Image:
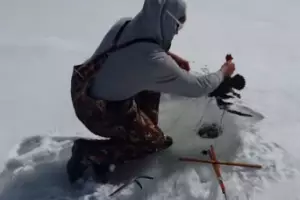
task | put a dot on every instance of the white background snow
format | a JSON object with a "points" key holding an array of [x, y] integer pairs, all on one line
{"points": [[40, 41]]}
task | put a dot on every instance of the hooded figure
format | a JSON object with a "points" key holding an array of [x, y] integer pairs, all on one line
{"points": [[116, 92]]}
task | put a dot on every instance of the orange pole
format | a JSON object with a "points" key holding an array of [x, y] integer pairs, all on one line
{"points": [[221, 163], [217, 170]]}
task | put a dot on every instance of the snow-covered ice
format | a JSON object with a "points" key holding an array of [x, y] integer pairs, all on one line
{"points": [[41, 41]]}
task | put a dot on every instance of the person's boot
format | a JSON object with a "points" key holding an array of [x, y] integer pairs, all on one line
{"points": [[101, 168], [90, 153], [168, 141], [77, 164]]}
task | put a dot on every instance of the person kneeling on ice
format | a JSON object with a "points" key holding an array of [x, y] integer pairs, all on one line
{"points": [[116, 92]]}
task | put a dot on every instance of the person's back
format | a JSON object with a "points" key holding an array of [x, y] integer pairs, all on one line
{"points": [[147, 66]]}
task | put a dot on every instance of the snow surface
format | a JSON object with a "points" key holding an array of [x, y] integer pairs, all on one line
{"points": [[40, 41]]}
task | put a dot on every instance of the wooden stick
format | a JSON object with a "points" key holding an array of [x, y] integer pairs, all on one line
{"points": [[221, 163]]}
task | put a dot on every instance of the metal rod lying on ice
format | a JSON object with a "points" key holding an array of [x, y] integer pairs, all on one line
{"points": [[134, 180]]}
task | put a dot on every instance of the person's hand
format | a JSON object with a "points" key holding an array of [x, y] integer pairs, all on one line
{"points": [[237, 95], [228, 68]]}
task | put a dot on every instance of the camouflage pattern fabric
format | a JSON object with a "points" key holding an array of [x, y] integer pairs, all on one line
{"points": [[130, 126]]}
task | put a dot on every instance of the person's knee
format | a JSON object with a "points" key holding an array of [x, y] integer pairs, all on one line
{"points": [[163, 143], [168, 141]]}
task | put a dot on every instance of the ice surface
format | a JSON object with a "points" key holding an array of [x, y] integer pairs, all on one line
{"points": [[41, 41]]}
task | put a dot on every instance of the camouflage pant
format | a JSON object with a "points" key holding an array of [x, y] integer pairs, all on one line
{"points": [[130, 125]]}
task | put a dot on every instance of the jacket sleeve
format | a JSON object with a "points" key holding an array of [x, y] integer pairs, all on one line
{"points": [[168, 77]]}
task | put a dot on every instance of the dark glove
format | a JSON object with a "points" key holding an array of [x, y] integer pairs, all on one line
{"points": [[236, 82]]}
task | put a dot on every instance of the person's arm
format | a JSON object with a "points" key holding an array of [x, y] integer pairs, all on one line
{"points": [[168, 77]]}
